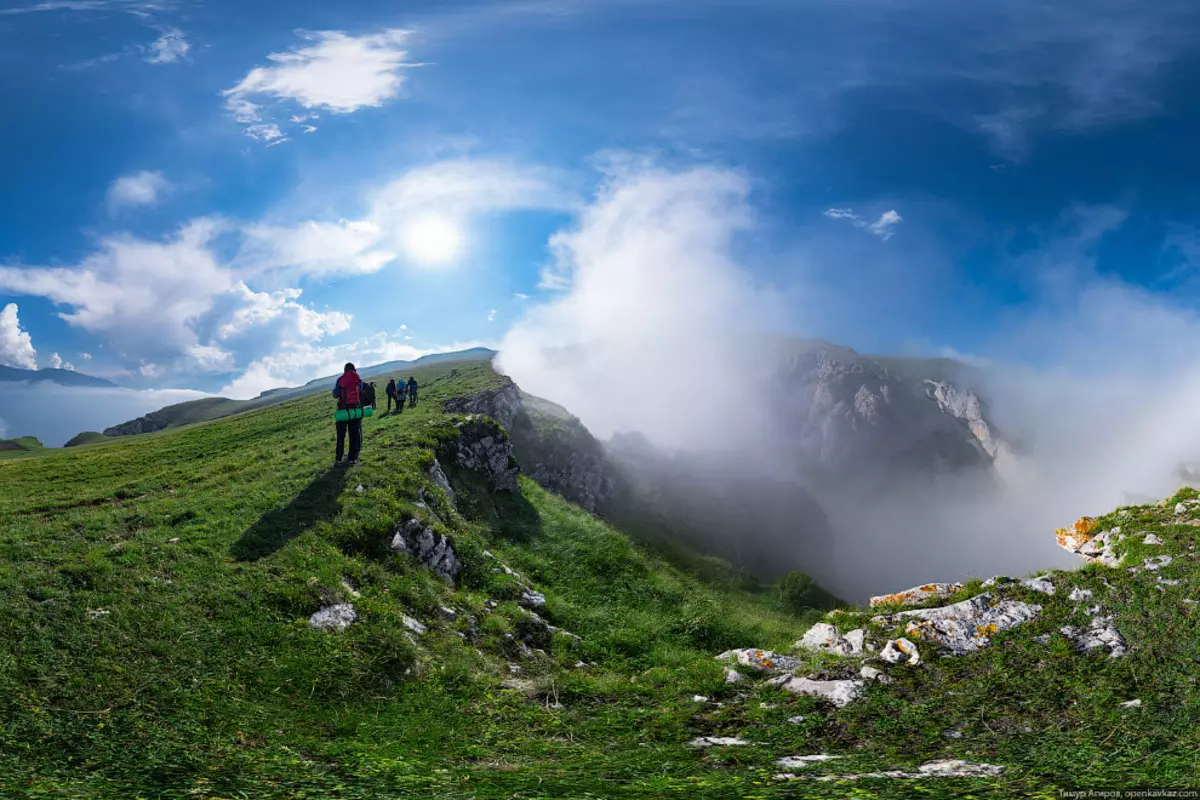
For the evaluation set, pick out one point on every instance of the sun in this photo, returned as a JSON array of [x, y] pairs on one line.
[[432, 239]]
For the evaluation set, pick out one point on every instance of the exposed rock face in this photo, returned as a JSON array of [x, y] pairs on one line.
[[764, 660], [824, 637], [484, 447], [433, 550], [502, 405], [582, 479], [917, 594], [147, 424], [440, 480], [1098, 635], [966, 407], [967, 626], [840, 693]]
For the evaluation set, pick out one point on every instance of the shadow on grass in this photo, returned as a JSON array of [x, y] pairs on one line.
[[318, 501]]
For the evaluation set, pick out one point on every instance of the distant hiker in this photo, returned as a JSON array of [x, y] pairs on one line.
[[390, 391], [368, 398], [412, 391], [349, 390], [400, 392]]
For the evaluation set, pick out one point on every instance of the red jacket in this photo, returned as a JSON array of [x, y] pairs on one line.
[[348, 390]]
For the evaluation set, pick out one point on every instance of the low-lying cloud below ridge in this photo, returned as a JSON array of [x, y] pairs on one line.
[[659, 329], [56, 413]]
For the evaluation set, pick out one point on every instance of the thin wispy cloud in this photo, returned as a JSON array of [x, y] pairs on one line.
[[140, 189], [884, 227], [172, 46], [336, 73]]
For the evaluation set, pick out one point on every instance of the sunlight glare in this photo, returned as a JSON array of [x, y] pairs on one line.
[[432, 239]]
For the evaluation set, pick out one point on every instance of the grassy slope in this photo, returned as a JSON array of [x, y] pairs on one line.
[[203, 679], [18, 448]]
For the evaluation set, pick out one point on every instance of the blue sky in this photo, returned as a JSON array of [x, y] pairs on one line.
[[232, 196]]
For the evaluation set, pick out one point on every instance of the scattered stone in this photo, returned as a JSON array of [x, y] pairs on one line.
[[954, 768], [333, 618], [840, 693], [98, 613], [514, 669], [413, 625], [532, 599], [1180, 508], [349, 587], [1167, 581], [766, 706], [581, 665], [1039, 584], [900, 651], [699, 698], [733, 676], [857, 639], [1100, 633], [969, 625], [359, 488], [800, 762], [765, 660], [1151, 539], [1075, 537], [173, 540], [717, 741], [917, 594], [796, 720], [1156, 562], [953, 734], [874, 674], [1132, 704], [448, 614], [1078, 595], [998, 580]]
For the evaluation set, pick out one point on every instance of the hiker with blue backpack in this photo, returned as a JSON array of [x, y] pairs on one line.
[[412, 391], [350, 392]]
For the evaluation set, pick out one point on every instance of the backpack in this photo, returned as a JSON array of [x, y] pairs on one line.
[[351, 396], [368, 394]]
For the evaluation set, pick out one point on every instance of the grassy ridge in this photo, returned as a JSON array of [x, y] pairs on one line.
[[154, 639]]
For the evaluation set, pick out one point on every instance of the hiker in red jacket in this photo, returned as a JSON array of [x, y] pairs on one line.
[[349, 392]]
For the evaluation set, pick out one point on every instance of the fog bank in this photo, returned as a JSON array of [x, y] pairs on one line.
[[658, 329]]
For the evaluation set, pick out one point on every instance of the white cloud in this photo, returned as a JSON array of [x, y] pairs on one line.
[[140, 189], [261, 308], [315, 248], [336, 72], [210, 358], [144, 295], [168, 48], [86, 356], [492, 315], [520, 296], [882, 227], [268, 132], [56, 361], [16, 346]]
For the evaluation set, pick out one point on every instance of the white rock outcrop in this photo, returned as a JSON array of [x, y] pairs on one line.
[[1039, 584], [824, 638], [969, 625], [333, 618], [917, 594], [800, 762], [900, 651], [1099, 634], [764, 660], [838, 692], [717, 741]]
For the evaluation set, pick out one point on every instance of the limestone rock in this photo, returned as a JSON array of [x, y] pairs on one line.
[[857, 639], [900, 651], [838, 692], [917, 594], [1039, 584], [1180, 508], [733, 676], [874, 674], [968, 626], [765, 660], [333, 618], [1151, 539], [1099, 634], [954, 768], [483, 447], [1156, 562], [717, 741], [1075, 537], [1078, 595], [413, 625], [1136, 703], [824, 637], [796, 720], [799, 762], [433, 550], [438, 476], [503, 404], [532, 599]]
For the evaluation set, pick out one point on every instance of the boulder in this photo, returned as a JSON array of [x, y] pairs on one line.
[[438, 476], [1075, 537], [917, 594], [967, 626], [431, 549], [900, 651], [1151, 539], [483, 447], [825, 638], [799, 762], [413, 625], [1039, 584], [733, 676], [1078, 595], [765, 660], [838, 692], [717, 741], [333, 618]]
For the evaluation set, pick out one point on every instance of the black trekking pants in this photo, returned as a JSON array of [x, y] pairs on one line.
[[355, 426], [412, 399], [392, 397]]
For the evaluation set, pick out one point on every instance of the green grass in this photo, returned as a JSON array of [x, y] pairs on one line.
[[209, 546], [87, 437], [20, 447]]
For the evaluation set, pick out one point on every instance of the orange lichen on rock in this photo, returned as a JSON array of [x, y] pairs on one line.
[[916, 594], [1077, 535]]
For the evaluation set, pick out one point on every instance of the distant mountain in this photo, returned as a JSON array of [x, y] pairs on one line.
[[63, 377], [210, 408]]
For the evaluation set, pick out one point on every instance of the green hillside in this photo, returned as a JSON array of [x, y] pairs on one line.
[[87, 437], [19, 447], [155, 641]]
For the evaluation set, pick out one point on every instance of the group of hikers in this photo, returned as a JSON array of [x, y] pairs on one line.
[[353, 394]]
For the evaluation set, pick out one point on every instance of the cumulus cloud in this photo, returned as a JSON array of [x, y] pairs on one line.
[[345, 247], [56, 362], [140, 189], [882, 227], [16, 346], [336, 73], [172, 46]]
